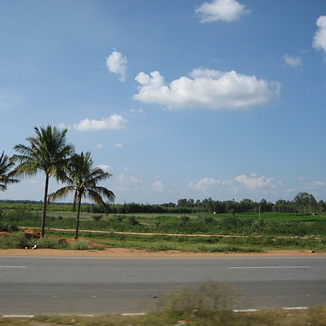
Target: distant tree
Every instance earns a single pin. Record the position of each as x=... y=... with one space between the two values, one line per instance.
x=264 y=206
x=190 y=203
x=305 y=202
x=82 y=179
x=321 y=206
x=283 y=206
x=47 y=151
x=6 y=172
x=182 y=202
x=246 y=205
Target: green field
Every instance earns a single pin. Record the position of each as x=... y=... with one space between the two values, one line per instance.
x=243 y=232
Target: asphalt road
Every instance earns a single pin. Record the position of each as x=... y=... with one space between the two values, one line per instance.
x=84 y=285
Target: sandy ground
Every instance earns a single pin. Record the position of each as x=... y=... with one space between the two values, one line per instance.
x=127 y=253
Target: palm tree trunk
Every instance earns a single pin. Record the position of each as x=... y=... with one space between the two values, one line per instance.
x=45 y=202
x=78 y=215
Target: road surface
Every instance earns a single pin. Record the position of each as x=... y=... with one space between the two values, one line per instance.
x=91 y=285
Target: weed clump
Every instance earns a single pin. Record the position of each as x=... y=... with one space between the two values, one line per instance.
x=79 y=245
x=199 y=301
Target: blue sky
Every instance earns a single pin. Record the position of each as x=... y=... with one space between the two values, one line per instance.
x=177 y=99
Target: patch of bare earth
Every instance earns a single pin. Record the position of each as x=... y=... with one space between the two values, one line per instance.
x=122 y=252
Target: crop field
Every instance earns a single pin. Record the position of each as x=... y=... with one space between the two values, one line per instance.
x=202 y=232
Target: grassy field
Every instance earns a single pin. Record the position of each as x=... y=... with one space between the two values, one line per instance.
x=248 y=232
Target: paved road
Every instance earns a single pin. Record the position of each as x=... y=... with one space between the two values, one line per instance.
x=84 y=285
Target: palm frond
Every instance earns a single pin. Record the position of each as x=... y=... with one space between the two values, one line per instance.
x=6 y=174
x=97 y=198
x=106 y=193
x=61 y=193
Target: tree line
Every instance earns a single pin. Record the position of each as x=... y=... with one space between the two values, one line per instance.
x=303 y=202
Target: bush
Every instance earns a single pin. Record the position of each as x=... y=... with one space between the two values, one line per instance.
x=16 y=240
x=79 y=245
x=97 y=217
x=46 y=243
x=199 y=300
x=161 y=246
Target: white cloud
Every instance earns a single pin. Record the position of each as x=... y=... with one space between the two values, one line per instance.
x=118 y=145
x=231 y=186
x=253 y=181
x=104 y=167
x=227 y=10
x=319 y=41
x=133 y=179
x=158 y=186
x=210 y=89
x=113 y=122
x=129 y=183
x=137 y=112
x=117 y=64
x=203 y=185
x=99 y=146
x=292 y=61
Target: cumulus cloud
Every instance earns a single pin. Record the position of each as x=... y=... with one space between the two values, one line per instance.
x=226 y=10
x=128 y=183
x=234 y=185
x=104 y=167
x=113 y=122
x=204 y=184
x=118 y=145
x=292 y=61
x=253 y=181
x=319 y=41
x=204 y=88
x=158 y=186
x=117 y=64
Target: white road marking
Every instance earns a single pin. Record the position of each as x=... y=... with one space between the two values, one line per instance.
x=18 y=316
x=295 y=308
x=13 y=266
x=245 y=310
x=270 y=267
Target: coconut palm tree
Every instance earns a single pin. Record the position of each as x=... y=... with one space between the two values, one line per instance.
x=47 y=151
x=6 y=175
x=82 y=179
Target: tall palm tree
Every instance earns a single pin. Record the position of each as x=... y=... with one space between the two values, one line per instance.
x=6 y=174
x=47 y=151
x=82 y=179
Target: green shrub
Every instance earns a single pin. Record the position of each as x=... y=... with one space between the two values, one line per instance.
x=45 y=243
x=198 y=301
x=161 y=246
x=79 y=245
x=16 y=240
x=97 y=217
